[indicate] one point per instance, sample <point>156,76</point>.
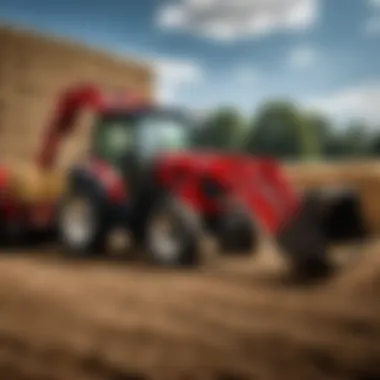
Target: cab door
<point>115,143</point>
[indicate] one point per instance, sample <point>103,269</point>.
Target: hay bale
<point>33,185</point>
<point>33,71</point>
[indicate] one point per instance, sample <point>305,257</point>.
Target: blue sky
<point>322,53</point>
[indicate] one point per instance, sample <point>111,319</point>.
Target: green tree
<point>282,130</point>
<point>323,132</point>
<point>223,129</point>
<point>336,146</point>
<point>375,146</point>
<point>357,140</point>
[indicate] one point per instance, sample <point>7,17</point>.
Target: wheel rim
<point>163,237</point>
<point>77,222</point>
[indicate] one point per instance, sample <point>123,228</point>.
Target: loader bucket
<point>324,219</point>
<point>304,242</point>
<point>341,218</point>
<point>340,214</point>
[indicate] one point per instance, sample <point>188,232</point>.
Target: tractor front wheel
<point>172,235</point>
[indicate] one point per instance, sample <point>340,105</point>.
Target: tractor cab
<point>129,141</point>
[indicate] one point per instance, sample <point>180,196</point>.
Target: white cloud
<point>173,75</point>
<point>357,102</point>
<point>228,20</point>
<point>372,26</point>
<point>244,75</point>
<point>302,57</point>
<point>374,3</point>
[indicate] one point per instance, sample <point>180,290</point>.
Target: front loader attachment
<point>304,224</point>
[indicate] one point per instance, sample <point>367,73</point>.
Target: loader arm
<point>284,213</point>
<point>69,106</point>
<point>68,109</point>
<point>304,225</point>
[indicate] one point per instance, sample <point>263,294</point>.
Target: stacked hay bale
<point>34,70</point>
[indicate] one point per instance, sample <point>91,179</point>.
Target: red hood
<point>260,183</point>
<point>227,167</point>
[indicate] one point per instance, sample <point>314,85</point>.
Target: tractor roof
<point>155,110</point>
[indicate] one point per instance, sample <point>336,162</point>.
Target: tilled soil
<point>232,319</point>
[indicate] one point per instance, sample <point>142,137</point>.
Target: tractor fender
<point>188,192</point>
<point>113,203</point>
<point>82,179</point>
<point>181,182</point>
<point>158,185</point>
<point>82,182</point>
<point>103,178</point>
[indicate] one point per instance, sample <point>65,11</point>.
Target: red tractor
<point>145,175</point>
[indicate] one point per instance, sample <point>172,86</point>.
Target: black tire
<point>184,230</point>
<point>14,233</point>
<point>94,244</point>
<point>237,234</point>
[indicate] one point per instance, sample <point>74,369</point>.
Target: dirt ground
<point>232,319</point>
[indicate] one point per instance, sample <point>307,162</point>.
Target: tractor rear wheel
<point>172,235</point>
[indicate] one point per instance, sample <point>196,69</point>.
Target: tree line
<point>281,129</point>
